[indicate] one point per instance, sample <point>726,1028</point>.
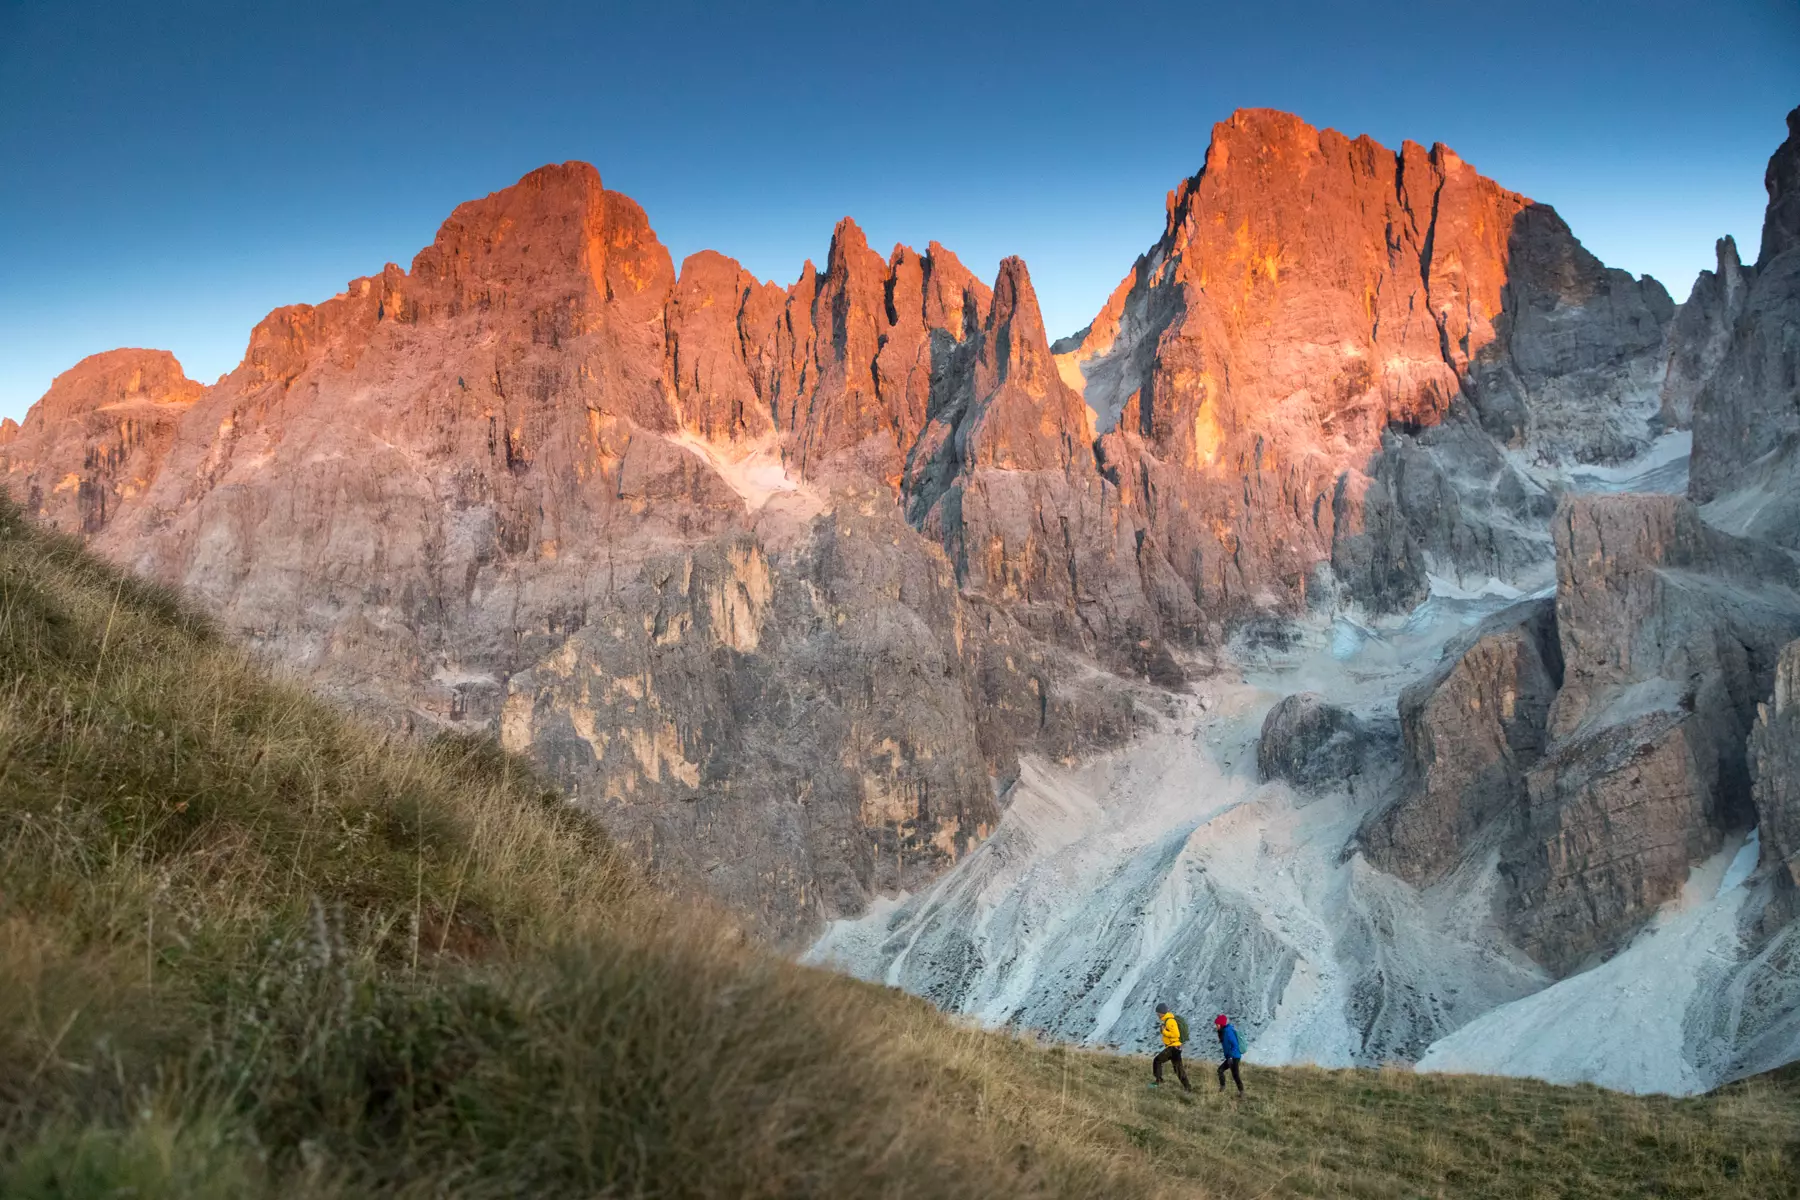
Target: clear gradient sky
<point>169,172</point>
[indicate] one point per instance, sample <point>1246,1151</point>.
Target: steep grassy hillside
<point>248,947</point>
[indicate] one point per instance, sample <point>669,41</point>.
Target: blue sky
<point>170,172</point>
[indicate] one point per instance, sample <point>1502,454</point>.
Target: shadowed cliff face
<point>1746,459</point>
<point>783,580</point>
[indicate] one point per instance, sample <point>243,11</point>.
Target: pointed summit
<point>97,438</point>
<point>1020,346</point>
<point>1024,416</point>
<point>955,301</point>
<point>557,229</point>
<point>1781,220</point>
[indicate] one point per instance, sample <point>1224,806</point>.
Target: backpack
<point>1181,1029</point>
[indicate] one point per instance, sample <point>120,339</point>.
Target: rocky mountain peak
<point>1016,343</point>
<point>1024,416</point>
<point>955,300</point>
<point>849,249</point>
<point>638,520</point>
<point>1313,298</point>
<point>1781,221</point>
<point>716,378</point>
<point>1746,391</point>
<point>557,230</point>
<point>98,437</point>
<point>1701,332</point>
<point>112,378</point>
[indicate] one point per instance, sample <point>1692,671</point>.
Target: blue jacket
<point>1228,1041</point>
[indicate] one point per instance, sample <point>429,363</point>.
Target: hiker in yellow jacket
<point>1170,1027</point>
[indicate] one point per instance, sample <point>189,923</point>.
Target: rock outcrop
<point>1471,729</point>
<point>1781,219</point>
<point>1669,632</point>
<point>1775,764</point>
<point>97,438</point>
<point>1004,477</point>
<point>1313,745</point>
<point>1700,335</point>
<point>1574,369</point>
<point>1747,413</point>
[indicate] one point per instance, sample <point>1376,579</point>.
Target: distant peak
<point>573,173</point>
<point>1013,293</point>
<point>119,376</point>
<point>847,229</point>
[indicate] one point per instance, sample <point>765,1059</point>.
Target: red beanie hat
<point>1220,1019</point>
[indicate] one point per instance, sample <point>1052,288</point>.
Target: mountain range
<point>1381,616</point>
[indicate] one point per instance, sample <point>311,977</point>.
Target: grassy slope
<point>247,946</point>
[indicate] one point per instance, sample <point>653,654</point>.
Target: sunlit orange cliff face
<point>544,482</point>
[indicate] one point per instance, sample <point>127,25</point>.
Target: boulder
<point>1314,746</point>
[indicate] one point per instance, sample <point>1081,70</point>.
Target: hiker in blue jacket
<point>1231,1050</point>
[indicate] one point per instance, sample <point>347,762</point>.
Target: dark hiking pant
<point>1231,1064</point>
<point>1170,1054</point>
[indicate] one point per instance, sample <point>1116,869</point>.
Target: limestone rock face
<point>1005,477</point>
<point>1775,763</point>
<point>784,581</point>
<point>1749,406</point>
<point>1596,745</point>
<point>1781,220</point>
<point>1471,729</point>
<point>1669,632</point>
<point>97,438</point>
<point>1313,745</point>
<point>1617,817</point>
<point>788,730</point>
<point>713,361</point>
<point>857,350</point>
<point>1575,367</point>
<point>1653,602</point>
<point>1315,300</point>
<point>1701,333</point>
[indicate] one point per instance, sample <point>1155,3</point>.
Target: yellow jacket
<point>1171,1032</point>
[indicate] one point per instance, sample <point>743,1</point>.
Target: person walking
<point>1174,1032</point>
<point>1231,1051</point>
